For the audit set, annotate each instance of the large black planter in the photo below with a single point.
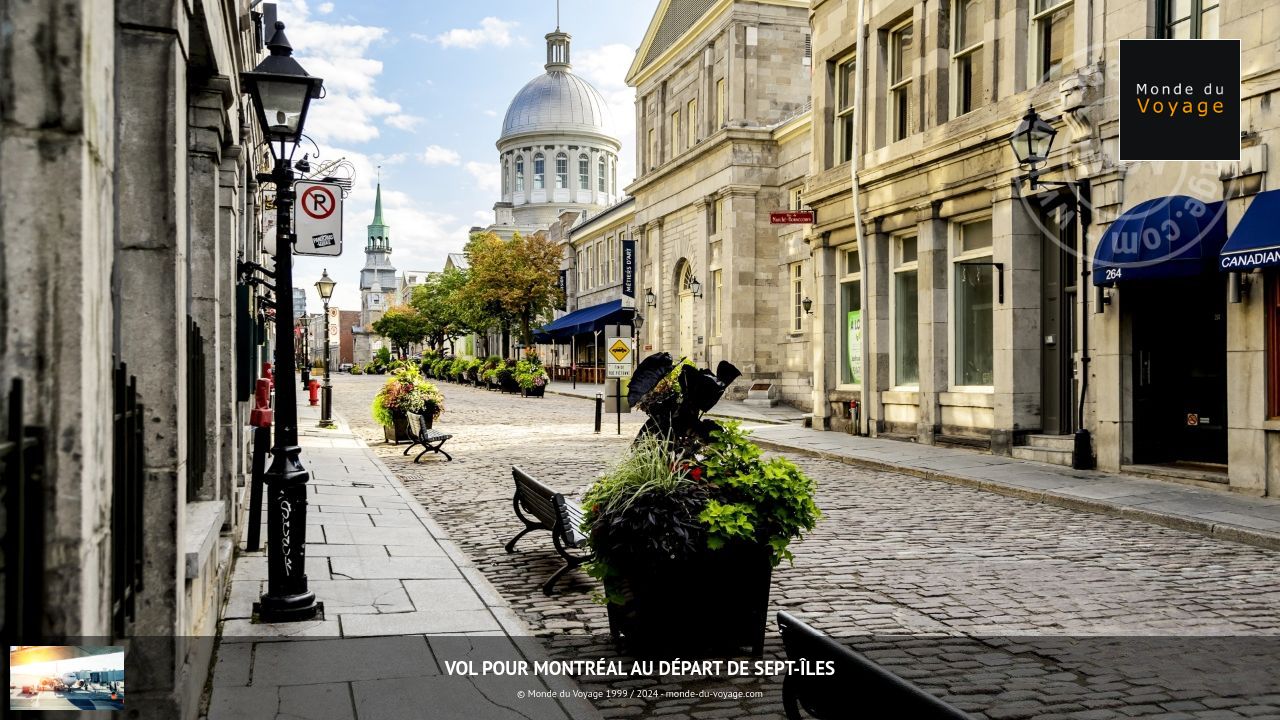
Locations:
(714, 604)
(535, 391)
(399, 432)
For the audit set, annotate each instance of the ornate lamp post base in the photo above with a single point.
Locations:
(287, 598)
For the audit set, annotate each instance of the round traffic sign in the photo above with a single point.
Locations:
(318, 202)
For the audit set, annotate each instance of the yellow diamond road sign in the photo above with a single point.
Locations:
(619, 350)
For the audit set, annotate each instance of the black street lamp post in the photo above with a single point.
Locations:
(282, 91)
(1032, 141)
(324, 286)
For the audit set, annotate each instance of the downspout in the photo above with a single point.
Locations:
(855, 161)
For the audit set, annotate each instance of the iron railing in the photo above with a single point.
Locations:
(126, 500)
(22, 467)
(196, 406)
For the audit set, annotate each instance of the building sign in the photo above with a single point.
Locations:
(791, 217)
(629, 268)
(854, 344)
(563, 284)
(317, 219)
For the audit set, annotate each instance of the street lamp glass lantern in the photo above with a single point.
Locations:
(649, 298)
(695, 287)
(638, 321)
(281, 91)
(807, 304)
(1032, 140)
(324, 286)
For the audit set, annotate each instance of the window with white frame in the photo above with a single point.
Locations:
(973, 280)
(966, 57)
(519, 173)
(591, 267)
(850, 318)
(584, 172)
(600, 173)
(612, 244)
(901, 53)
(845, 81)
(539, 172)
(1051, 28)
(583, 264)
(717, 303)
(691, 120)
(1183, 19)
(562, 171)
(906, 313)
(793, 198)
(601, 266)
(796, 273)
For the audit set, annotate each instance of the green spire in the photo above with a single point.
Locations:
(379, 233)
(377, 207)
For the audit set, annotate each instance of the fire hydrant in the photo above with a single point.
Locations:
(314, 388)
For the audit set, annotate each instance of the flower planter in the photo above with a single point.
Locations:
(535, 391)
(399, 432)
(507, 383)
(712, 604)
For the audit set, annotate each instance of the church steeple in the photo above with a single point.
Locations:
(379, 234)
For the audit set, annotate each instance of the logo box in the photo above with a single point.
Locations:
(1179, 100)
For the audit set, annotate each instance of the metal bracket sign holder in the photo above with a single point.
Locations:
(620, 348)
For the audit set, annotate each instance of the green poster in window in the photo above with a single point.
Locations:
(854, 346)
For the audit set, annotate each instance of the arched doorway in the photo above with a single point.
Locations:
(684, 309)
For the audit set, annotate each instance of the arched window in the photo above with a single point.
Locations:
(539, 172)
(601, 173)
(519, 173)
(562, 171)
(584, 167)
(506, 177)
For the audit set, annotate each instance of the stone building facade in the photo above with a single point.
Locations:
(956, 303)
(127, 151)
(722, 99)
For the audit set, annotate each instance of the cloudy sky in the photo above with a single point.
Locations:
(420, 88)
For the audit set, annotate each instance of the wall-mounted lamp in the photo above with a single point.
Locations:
(1101, 298)
(1238, 287)
(649, 298)
(807, 304)
(696, 287)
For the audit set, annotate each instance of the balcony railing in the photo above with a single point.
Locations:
(126, 501)
(196, 406)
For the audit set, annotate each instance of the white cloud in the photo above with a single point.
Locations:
(436, 155)
(404, 122)
(324, 8)
(491, 113)
(606, 68)
(492, 31)
(488, 178)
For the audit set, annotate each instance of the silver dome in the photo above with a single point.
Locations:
(558, 102)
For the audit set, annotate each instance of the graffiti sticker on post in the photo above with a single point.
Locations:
(317, 218)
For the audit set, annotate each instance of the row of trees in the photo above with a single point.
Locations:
(510, 284)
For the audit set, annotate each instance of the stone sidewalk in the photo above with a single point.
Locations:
(400, 600)
(1255, 521)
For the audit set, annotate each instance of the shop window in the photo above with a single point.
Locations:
(850, 320)
(1052, 31)
(974, 283)
(906, 314)
(966, 58)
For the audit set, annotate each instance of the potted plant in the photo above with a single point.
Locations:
(531, 377)
(405, 392)
(507, 377)
(687, 527)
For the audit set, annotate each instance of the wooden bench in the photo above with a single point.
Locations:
(541, 508)
(859, 687)
(420, 433)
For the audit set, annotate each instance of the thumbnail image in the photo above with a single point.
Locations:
(66, 677)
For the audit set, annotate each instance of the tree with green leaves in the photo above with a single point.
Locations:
(402, 326)
(443, 303)
(514, 281)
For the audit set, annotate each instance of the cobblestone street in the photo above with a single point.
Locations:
(1003, 607)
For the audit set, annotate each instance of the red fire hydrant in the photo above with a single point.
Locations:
(260, 416)
(266, 373)
(313, 388)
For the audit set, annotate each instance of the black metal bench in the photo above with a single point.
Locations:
(859, 688)
(420, 433)
(550, 511)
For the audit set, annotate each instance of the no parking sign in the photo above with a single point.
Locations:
(317, 218)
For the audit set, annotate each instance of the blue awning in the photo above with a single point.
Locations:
(1255, 242)
(1165, 237)
(583, 320)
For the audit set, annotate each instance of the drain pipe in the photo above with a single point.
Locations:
(855, 161)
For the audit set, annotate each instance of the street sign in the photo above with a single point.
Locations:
(619, 350)
(317, 219)
(791, 217)
(618, 364)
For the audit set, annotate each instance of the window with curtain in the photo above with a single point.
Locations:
(584, 170)
(906, 313)
(843, 127)
(1051, 24)
(539, 172)
(901, 108)
(966, 56)
(520, 173)
(562, 171)
(973, 278)
(1184, 19)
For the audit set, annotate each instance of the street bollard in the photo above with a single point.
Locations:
(599, 410)
(306, 378)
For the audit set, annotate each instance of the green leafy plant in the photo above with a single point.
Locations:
(356, 370)
(406, 391)
(383, 356)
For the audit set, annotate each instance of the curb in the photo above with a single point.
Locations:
(1220, 531)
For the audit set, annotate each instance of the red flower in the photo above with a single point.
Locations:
(696, 473)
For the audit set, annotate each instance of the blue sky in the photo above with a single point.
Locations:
(420, 88)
